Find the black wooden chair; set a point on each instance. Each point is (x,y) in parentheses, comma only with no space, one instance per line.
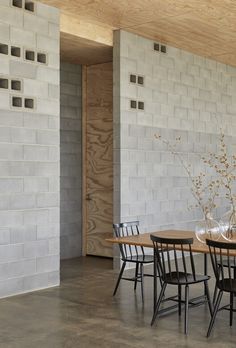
(133,254)
(176,268)
(224,269)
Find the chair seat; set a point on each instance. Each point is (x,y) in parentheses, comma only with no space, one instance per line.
(182,279)
(228,285)
(225,263)
(139,258)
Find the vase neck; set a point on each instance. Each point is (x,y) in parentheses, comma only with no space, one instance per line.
(208,216)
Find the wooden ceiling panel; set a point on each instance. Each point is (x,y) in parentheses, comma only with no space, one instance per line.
(81,51)
(204,27)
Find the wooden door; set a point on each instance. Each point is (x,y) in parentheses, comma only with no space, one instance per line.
(98,159)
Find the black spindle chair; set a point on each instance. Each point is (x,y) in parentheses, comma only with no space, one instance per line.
(134,254)
(174,260)
(223,262)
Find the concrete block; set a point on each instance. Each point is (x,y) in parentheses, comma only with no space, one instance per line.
(36,24)
(22,234)
(4,32)
(48,263)
(35,248)
(10,253)
(36,281)
(12,16)
(4,236)
(4,101)
(48,107)
(36,184)
(54,91)
(51,14)
(22,201)
(11,185)
(48,137)
(54,31)
(45,200)
(36,88)
(47,231)
(36,153)
(4,64)
(53,122)
(24,70)
(22,37)
(25,136)
(54,246)
(11,287)
(47,44)
(35,121)
(53,60)
(37,216)
(11,152)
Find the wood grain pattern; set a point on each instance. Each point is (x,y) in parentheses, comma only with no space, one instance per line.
(207,28)
(99,159)
(84,157)
(78,50)
(145,241)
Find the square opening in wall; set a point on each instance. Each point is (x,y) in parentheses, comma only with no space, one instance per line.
(30,55)
(42,58)
(163,49)
(3,49)
(29,103)
(29,6)
(133,104)
(3,83)
(16,85)
(132,78)
(141,105)
(140,80)
(156,46)
(15,51)
(17,3)
(17,102)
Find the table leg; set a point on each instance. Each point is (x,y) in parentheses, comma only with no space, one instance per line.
(154,280)
(205,269)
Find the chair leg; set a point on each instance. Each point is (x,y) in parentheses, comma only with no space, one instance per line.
(186,309)
(136,276)
(217,304)
(215,294)
(142,278)
(231,308)
(119,278)
(158,303)
(179,298)
(208,297)
(159,275)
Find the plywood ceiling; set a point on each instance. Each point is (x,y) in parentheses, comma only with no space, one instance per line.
(204,27)
(81,51)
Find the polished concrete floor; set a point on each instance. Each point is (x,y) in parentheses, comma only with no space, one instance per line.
(82,313)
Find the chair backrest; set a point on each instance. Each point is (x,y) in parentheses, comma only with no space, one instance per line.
(125,229)
(223,262)
(174,256)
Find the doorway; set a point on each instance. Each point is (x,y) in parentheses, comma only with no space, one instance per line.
(94,216)
(97,159)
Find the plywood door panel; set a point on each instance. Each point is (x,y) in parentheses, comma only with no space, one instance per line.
(99,160)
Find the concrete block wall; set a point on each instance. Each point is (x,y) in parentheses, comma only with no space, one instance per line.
(29,151)
(184,95)
(71,161)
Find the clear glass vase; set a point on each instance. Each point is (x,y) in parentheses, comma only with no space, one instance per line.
(208,228)
(228,223)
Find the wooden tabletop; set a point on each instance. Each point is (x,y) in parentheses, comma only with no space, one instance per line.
(145,241)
